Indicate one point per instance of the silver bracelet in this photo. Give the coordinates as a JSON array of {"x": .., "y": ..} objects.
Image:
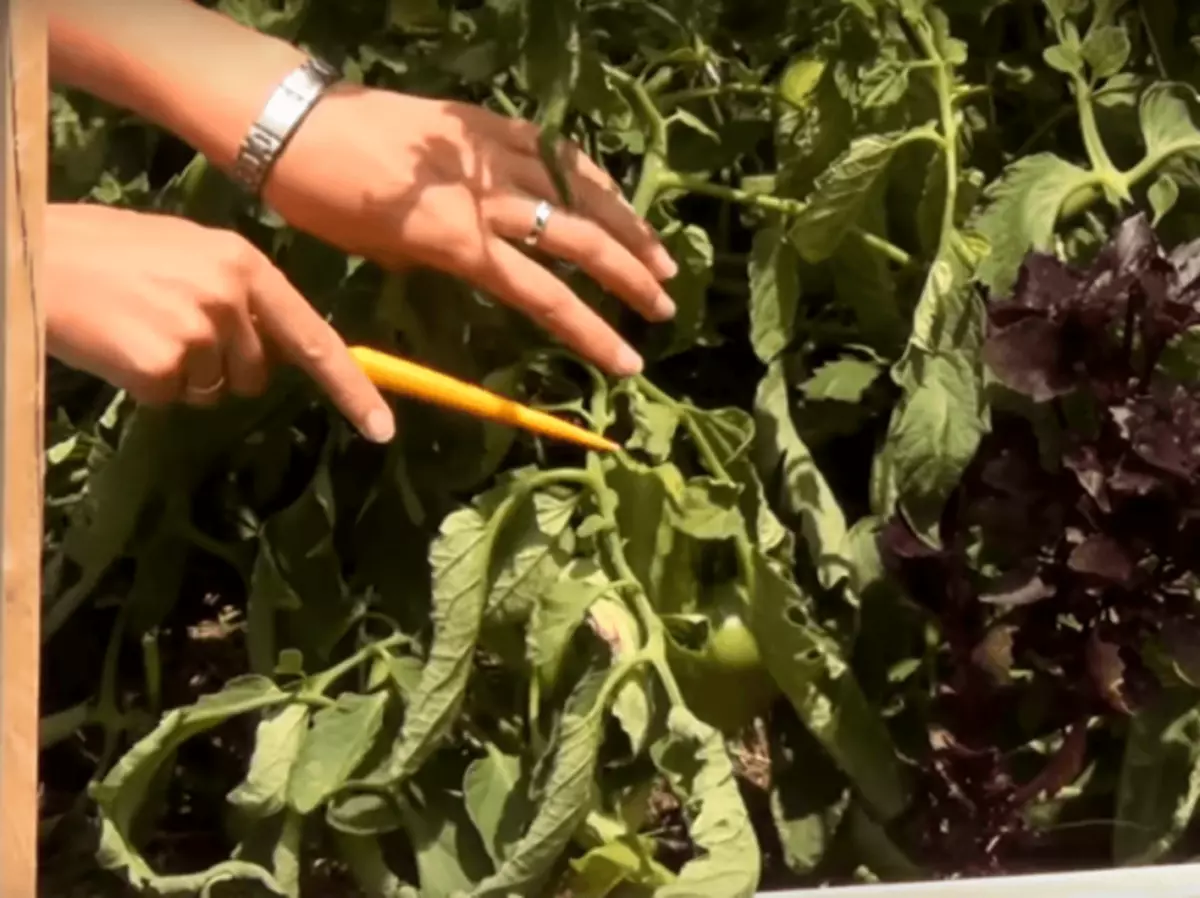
[{"x": 292, "y": 100}]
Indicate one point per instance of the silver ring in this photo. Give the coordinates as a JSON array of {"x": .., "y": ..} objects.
[
  {"x": 194, "y": 392},
  {"x": 541, "y": 215}
]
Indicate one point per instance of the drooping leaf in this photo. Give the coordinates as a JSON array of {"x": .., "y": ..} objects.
[
  {"x": 562, "y": 608},
  {"x": 277, "y": 742},
  {"x": 460, "y": 558},
  {"x": 532, "y": 555},
  {"x": 495, "y": 792},
  {"x": 450, "y": 855},
  {"x": 694, "y": 759},
  {"x": 810, "y": 670},
  {"x": 692, "y": 249},
  {"x": 340, "y": 738},
  {"x": 615, "y": 624},
  {"x": 565, "y": 799},
  {"x": 807, "y": 496},
  {"x": 774, "y": 293},
  {"x": 934, "y": 433},
  {"x": 809, "y": 797},
  {"x": 654, "y": 427},
  {"x": 119, "y": 796}
]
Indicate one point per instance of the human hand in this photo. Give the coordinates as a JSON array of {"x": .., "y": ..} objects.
[
  {"x": 169, "y": 310},
  {"x": 402, "y": 179}
]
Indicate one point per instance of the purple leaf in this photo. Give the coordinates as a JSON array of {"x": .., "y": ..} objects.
[
  {"x": 1018, "y": 588},
  {"x": 1107, "y": 671},
  {"x": 1103, "y": 558},
  {"x": 1027, "y": 356}
]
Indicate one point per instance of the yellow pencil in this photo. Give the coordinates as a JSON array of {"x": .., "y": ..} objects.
[{"x": 399, "y": 375}]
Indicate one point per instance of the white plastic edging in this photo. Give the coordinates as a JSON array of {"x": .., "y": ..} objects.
[{"x": 1167, "y": 881}]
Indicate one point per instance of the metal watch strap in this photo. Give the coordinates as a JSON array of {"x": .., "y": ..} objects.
[{"x": 285, "y": 110}]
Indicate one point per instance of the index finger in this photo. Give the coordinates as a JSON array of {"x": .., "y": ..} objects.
[{"x": 308, "y": 341}]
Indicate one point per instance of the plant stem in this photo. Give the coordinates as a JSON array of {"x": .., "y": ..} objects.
[
  {"x": 655, "y": 159},
  {"x": 674, "y": 98},
  {"x": 670, "y": 180},
  {"x": 654, "y": 649},
  {"x": 944, "y": 84},
  {"x": 320, "y": 683},
  {"x": 1061, "y": 114},
  {"x": 1092, "y": 142}
]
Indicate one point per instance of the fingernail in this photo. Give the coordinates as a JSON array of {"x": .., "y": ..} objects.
[
  {"x": 381, "y": 426},
  {"x": 665, "y": 267},
  {"x": 664, "y": 307},
  {"x": 628, "y": 361}
]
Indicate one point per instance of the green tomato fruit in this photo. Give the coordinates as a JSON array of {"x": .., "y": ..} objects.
[{"x": 724, "y": 682}]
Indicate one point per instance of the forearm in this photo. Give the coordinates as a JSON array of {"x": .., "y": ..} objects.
[{"x": 192, "y": 71}]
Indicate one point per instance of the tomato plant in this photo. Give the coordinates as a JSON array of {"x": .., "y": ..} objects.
[{"x": 906, "y": 488}]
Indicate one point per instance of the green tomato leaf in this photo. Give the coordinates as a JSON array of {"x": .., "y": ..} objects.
[
  {"x": 839, "y": 194},
  {"x": 531, "y": 554},
  {"x": 496, "y": 795},
  {"x": 842, "y": 380},
  {"x": 774, "y": 292},
  {"x": 121, "y": 794},
  {"x": 104, "y": 522},
  {"x": 691, "y": 248},
  {"x": 695, "y": 761},
  {"x": 461, "y": 559},
  {"x": 809, "y": 797},
  {"x": 1065, "y": 58},
  {"x": 340, "y": 738},
  {"x": 658, "y": 554},
  {"x": 1021, "y": 211},
  {"x": 1159, "y": 788},
  {"x": 1163, "y": 194},
  {"x": 628, "y": 858},
  {"x": 450, "y": 855},
  {"x": 809, "y": 668},
  {"x": 884, "y": 84},
  {"x": 707, "y": 509},
  {"x": 1106, "y": 50},
  {"x": 364, "y": 858},
  {"x": 565, "y": 800},
  {"x": 731, "y": 434},
  {"x": 1167, "y": 120},
  {"x": 612, "y": 621},
  {"x": 559, "y": 613},
  {"x": 933, "y": 435},
  {"x": 277, "y": 741},
  {"x": 654, "y": 427},
  {"x": 806, "y": 494},
  {"x": 864, "y": 282}
]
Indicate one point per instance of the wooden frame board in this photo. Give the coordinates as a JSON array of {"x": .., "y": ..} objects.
[{"x": 24, "y": 65}]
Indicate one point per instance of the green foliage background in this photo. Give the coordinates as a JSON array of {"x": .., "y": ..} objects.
[{"x": 460, "y": 662}]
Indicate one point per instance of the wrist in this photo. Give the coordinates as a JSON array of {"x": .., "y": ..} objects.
[{"x": 213, "y": 113}]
